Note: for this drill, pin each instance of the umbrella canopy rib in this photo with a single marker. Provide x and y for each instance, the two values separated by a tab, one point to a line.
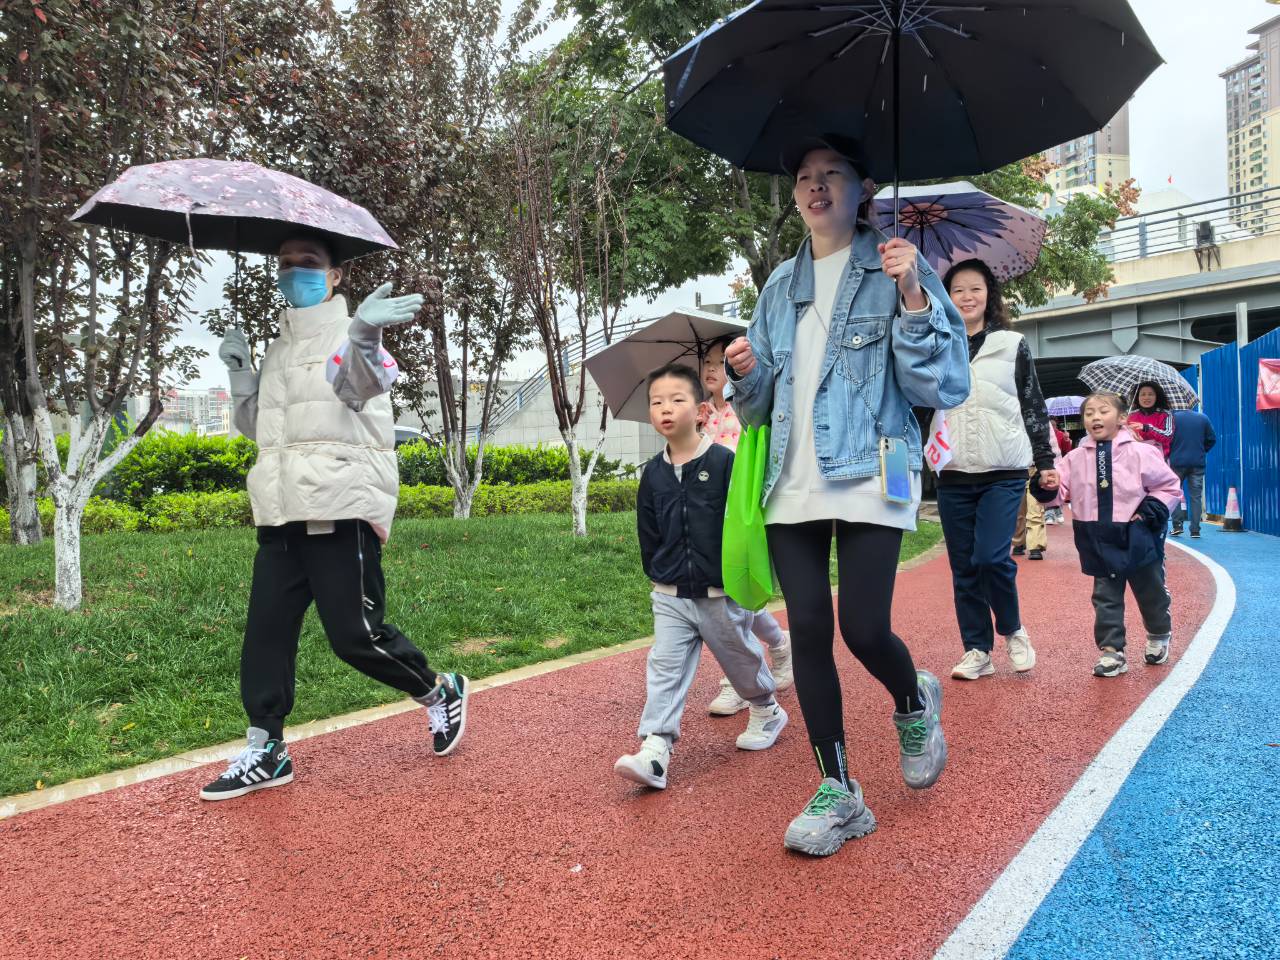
789	74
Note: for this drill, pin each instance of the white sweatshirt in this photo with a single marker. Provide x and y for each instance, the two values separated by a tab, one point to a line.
802	493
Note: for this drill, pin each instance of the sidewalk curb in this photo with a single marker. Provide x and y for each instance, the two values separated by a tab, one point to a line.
21	803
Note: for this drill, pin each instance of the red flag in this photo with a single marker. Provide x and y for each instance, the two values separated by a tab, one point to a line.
1268	384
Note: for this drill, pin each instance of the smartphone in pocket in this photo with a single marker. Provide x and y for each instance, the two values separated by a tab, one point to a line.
895	470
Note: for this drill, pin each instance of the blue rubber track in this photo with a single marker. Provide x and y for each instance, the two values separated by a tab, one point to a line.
1186	861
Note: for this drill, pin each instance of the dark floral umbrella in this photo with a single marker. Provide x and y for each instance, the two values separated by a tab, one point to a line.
952	222
231	205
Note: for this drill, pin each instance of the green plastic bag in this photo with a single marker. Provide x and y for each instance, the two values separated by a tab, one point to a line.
744	554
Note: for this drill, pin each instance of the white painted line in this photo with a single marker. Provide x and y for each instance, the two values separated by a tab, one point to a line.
996	921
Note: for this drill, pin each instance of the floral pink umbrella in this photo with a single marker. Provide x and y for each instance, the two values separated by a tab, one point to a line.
230	205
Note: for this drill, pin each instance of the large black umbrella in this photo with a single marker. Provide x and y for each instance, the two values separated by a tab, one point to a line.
931	89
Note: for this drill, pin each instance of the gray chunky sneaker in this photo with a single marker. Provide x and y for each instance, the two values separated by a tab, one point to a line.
833	816
1157	649
1112	663
924	749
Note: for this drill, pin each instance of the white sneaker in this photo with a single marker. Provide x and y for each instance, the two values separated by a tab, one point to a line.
648	766
1021	654
973	665
784	675
763	727
727	701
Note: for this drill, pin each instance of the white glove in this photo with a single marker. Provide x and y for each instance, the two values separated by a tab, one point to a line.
234	351
379	311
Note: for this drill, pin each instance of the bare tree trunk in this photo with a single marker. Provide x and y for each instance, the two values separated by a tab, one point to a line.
21	478
71	490
68	585
580	478
455	468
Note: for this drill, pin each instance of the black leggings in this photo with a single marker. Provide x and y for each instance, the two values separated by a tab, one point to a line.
867	557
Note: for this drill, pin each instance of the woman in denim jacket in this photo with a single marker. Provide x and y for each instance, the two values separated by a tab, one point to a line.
846	337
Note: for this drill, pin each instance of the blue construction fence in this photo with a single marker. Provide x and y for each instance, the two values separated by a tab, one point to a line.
1247	454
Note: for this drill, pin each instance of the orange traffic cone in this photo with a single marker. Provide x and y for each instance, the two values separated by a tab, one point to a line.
1231	519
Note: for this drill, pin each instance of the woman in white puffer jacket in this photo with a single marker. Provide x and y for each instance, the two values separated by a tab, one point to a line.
323	493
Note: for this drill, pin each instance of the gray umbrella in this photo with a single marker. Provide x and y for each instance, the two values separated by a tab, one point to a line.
620	370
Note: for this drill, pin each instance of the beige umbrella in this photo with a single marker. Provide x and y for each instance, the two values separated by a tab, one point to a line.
621	369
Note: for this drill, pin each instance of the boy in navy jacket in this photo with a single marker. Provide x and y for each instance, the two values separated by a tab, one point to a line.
680	519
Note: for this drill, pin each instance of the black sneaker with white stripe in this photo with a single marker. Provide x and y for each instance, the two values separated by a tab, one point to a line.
447	712
263	763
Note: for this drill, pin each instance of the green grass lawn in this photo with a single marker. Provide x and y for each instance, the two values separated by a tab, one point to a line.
149	667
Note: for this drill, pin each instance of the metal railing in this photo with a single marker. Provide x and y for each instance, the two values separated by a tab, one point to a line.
528	391
1222	220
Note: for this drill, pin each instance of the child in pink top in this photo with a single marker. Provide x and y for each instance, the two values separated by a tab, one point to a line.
720	423
1121	491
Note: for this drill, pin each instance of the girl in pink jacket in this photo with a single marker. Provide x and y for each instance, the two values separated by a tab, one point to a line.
1121	491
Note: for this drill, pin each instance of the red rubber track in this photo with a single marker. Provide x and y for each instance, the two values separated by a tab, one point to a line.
525	844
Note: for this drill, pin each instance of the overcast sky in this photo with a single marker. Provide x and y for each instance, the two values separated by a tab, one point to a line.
1177	129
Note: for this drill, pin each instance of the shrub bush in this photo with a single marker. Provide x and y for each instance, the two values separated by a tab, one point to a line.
198	511
603	496
100	516
422	463
230	508
164	463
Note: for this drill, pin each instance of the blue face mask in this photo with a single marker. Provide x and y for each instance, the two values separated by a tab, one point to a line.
303	286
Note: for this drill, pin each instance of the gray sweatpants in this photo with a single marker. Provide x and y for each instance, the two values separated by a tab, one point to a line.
680	627
767	630
1147	584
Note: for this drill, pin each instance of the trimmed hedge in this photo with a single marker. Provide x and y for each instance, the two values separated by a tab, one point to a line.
230	508
603	496
100	516
169	463
172	463
197	511
423	463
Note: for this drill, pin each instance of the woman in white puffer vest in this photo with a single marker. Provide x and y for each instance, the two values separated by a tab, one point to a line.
323	493
996	435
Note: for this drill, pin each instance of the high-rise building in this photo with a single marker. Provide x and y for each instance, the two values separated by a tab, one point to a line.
1253	122
1092	161
196	406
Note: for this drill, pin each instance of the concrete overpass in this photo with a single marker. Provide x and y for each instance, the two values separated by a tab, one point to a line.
1162	304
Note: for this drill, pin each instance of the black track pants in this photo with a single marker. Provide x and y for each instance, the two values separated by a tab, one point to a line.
342	573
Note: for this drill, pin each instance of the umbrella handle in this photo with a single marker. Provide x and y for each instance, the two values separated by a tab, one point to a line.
897	113
235	299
